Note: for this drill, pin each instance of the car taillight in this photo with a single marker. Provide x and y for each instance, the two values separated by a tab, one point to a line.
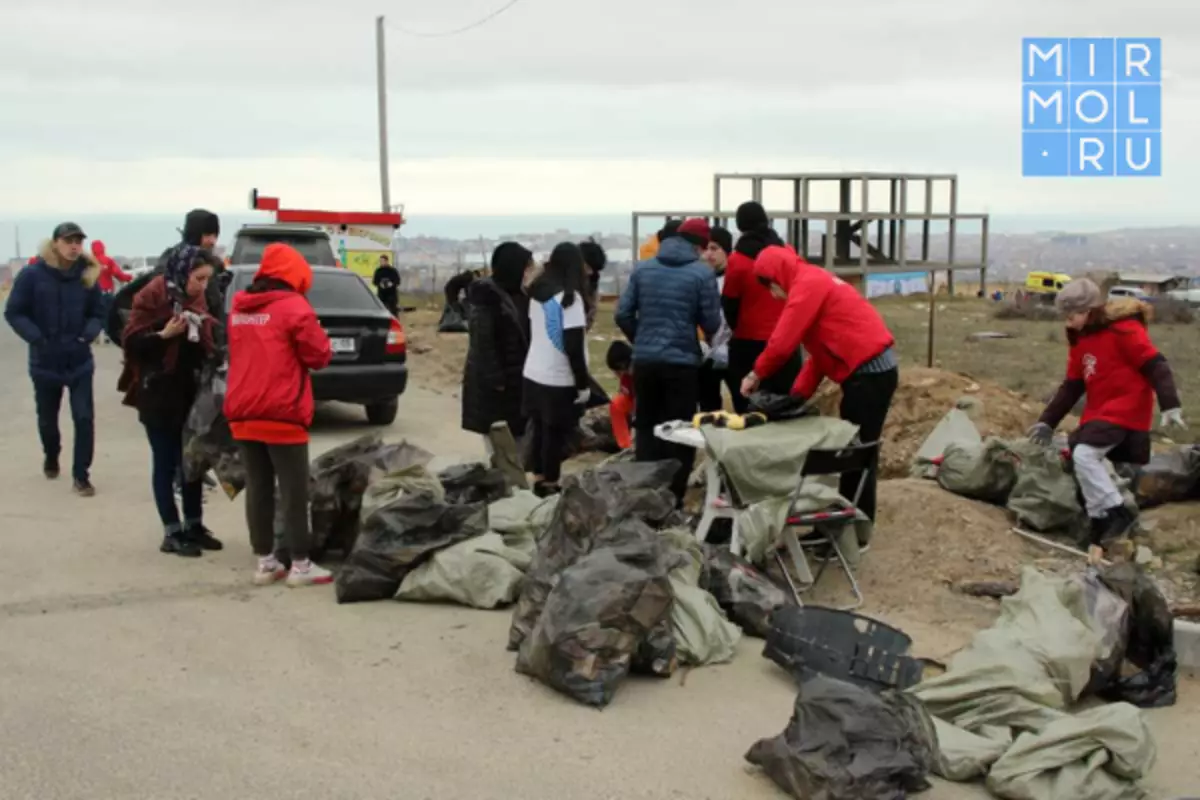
397	344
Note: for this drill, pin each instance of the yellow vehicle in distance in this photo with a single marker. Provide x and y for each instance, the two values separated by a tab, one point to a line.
1046	282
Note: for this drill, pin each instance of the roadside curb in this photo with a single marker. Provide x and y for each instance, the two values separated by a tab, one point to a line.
1187	645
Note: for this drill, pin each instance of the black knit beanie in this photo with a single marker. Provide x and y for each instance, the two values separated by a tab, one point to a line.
751	216
723	238
199	223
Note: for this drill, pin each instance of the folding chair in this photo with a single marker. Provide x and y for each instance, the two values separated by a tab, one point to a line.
828	523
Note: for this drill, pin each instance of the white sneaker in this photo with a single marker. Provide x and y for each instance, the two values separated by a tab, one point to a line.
306	573
269	571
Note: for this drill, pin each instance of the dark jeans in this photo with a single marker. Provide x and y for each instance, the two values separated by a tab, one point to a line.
553	417
48	396
289	464
665	392
742	355
866	399
166	451
711	380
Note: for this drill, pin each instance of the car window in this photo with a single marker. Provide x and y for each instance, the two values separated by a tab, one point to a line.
248	249
340	290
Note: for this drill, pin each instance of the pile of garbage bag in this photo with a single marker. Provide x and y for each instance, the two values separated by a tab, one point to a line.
1003	709
453	320
744	593
208	444
1172	477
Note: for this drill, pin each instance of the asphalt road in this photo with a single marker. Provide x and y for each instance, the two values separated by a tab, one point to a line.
125	673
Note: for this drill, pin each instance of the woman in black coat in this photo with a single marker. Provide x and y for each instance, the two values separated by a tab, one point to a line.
498	331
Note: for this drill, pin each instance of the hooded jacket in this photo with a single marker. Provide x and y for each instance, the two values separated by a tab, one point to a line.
275	340
667	299
750	308
836	325
109	269
1119	370
58	310
498	331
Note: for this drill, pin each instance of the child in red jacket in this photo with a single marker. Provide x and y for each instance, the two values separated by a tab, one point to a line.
1115	365
275	340
620	410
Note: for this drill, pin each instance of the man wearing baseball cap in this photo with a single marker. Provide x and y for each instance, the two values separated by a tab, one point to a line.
56	307
669	297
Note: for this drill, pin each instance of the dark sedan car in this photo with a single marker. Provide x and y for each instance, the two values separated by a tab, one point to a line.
369	348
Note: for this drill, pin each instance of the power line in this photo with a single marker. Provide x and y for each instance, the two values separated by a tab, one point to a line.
455	31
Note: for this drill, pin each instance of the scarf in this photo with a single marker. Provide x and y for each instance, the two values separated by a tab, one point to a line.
180	260
153	307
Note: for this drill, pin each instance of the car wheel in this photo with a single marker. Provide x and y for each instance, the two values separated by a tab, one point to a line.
383	412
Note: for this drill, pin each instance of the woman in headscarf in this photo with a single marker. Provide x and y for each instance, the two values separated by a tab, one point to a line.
556	370
498	342
166	340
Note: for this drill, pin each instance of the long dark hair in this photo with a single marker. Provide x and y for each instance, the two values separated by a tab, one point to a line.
563	273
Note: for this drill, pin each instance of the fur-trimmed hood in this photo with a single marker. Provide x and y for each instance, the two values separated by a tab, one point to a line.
87	267
1114	312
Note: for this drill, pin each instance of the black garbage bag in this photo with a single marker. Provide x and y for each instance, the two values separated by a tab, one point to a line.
454	320
594	434
1169	478
812	641
397	537
845	743
474	483
599	615
778	407
1150	644
747	596
590	510
338	479
208	443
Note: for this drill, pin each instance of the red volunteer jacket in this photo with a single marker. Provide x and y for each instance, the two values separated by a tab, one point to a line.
758	310
1110	363
837	326
274	341
109	269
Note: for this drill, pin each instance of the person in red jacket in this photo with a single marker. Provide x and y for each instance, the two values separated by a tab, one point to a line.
275	340
751	311
847	342
110	272
1115	365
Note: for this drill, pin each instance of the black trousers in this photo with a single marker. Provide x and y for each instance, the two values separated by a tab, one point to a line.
866	399
665	392
742	355
711	379
553	417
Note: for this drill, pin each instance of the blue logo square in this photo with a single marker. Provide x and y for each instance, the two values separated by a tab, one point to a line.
1045	60
1139	107
1044	154
1093	107
1092	61
1093	154
1139	60
1139	155
1046	107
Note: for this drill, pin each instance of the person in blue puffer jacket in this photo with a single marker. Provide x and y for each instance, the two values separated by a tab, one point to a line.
670	301
56	307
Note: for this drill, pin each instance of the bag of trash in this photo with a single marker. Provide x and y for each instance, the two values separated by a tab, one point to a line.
453	320
1150	643
702	634
985	471
1108	615
397	537
385	487
590	509
778	407
208	443
601	609
747	595
480	573
1045	496
473	483
1172	477
845	743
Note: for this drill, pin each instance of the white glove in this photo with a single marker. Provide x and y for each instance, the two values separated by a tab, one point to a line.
582	396
1173	418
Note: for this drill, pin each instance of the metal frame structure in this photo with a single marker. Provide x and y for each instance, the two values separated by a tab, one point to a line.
846	227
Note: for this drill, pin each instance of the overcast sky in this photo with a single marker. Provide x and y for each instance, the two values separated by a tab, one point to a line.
555	106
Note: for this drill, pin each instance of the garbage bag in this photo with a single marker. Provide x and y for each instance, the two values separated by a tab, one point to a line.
701	632
521	519
1169	478
748	596
385	487
473	483
594	434
1045	496
481	573
588	515
985	471
779	407
1150	640
453	320
1108	616
339	479
399	536
600	610
845	743
208	443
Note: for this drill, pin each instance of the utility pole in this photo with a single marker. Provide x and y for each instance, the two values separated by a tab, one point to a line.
381	86
17	232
